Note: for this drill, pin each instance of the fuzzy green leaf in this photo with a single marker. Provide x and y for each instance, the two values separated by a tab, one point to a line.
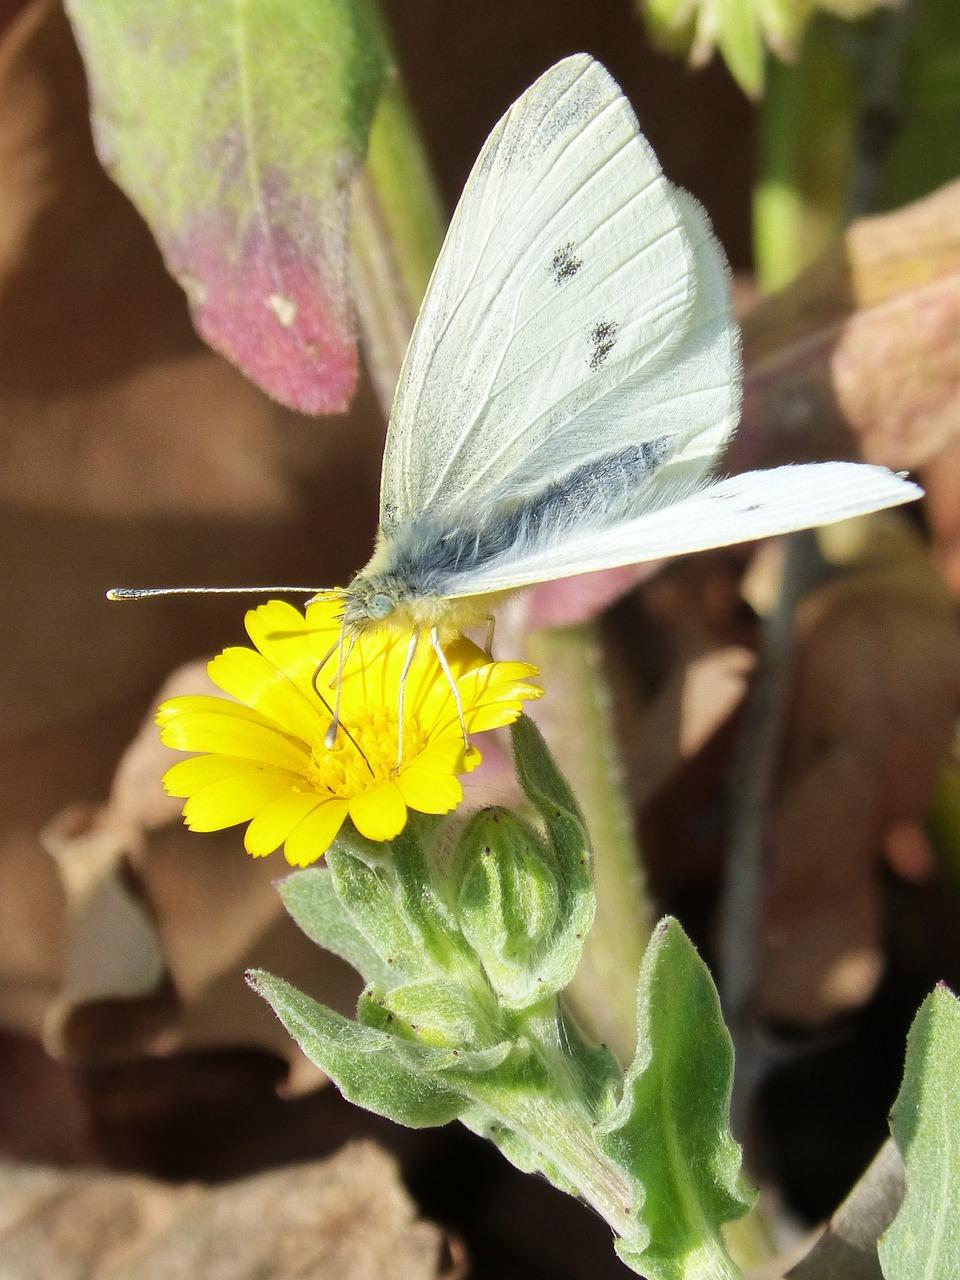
311	899
367	892
419	1056
362	1061
923	1242
670	1133
421	901
236	128
523	1152
394	881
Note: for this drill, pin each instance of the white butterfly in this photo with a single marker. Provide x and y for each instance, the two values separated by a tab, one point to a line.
572	377
571	380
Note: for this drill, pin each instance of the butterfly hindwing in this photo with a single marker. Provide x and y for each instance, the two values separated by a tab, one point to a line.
757	504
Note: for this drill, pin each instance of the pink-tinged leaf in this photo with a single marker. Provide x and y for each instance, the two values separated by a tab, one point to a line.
573	600
236	129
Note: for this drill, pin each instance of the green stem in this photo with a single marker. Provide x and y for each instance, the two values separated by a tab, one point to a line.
557	1122
396	231
807	137
603	994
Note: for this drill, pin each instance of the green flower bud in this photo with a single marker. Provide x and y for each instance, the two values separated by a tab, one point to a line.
437	1012
741	29
509	904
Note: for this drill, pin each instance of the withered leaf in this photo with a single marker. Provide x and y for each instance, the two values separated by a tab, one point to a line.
876	694
346	1216
861	354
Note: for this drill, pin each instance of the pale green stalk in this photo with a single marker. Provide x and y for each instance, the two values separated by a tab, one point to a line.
577	721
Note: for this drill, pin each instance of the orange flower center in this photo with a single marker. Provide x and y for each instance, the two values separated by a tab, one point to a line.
365	753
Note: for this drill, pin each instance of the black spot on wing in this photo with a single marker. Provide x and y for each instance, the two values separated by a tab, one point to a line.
565	264
602	339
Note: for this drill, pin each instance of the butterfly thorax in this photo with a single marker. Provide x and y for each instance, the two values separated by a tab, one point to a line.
389	600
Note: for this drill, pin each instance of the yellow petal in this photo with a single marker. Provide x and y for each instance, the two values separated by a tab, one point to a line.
227	734
232	800
493	717
463	655
497	680
315	834
428	791
172	710
188	776
380	813
444	754
273	825
291	642
250	678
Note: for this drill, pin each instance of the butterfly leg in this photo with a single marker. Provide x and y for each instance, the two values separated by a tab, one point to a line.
411	650
330	737
445	668
491	627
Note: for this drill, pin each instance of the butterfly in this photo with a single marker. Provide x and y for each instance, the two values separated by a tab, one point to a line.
572	378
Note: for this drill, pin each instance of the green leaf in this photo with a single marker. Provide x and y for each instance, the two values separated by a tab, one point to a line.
671	1133
311	899
235	126
599	1073
523	1152
740	42
362	1061
367	892
923	1242
421	900
603	992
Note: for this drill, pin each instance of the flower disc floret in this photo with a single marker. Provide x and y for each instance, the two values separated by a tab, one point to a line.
266	758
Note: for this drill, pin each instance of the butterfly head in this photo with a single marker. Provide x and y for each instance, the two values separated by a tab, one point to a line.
387	600
372	601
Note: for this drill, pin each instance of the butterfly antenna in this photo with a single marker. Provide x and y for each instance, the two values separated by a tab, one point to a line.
407	663
445	667
148	593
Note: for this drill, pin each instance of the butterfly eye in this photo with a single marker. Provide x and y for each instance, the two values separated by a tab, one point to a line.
380	606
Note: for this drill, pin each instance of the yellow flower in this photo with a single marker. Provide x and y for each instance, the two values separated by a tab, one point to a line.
266	761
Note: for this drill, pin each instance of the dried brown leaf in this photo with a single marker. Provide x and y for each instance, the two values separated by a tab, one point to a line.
861	355
686	626
346	1216
876	693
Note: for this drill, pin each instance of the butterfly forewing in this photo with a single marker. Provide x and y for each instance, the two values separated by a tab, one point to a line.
568	274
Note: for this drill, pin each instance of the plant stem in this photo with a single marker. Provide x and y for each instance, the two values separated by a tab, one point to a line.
604	992
396	232
807	132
